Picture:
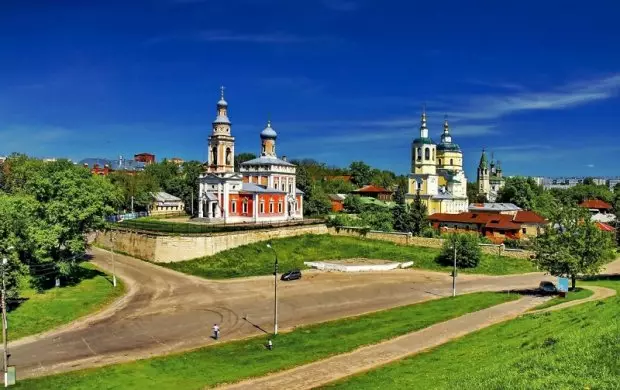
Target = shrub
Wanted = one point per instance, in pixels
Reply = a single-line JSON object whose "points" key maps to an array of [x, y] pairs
{"points": [[468, 253], [512, 244]]}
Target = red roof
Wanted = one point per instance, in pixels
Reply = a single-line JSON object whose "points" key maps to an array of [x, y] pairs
{"points": [[371, 188], [492, 221], [604, 227], [524, 216], [595, 204]]}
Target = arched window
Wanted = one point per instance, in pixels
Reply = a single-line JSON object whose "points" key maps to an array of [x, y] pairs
{"points": [[228, 156], [263, 148], [451, 162], [419, 154], [439, 161], [433, 154], [214, 154], [427, 154]]}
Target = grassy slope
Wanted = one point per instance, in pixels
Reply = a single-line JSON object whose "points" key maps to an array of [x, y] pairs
{"points": [[257, 259], [579, 293], [245, 358], [58, 306], [575, 348]]}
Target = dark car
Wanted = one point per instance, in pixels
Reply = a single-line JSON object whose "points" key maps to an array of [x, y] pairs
{"points": [[547, 288], [291, 275]]}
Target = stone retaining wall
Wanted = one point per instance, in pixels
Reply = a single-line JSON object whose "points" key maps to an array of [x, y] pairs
{"points": [[408, 239], [161, 248]]}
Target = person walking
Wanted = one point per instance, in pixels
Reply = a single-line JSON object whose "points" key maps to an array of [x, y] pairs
{"points": [[216, 331]]}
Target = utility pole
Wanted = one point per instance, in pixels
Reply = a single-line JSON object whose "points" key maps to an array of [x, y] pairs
{"points": [[132, 204], [5, 336], [275, 291], [454, 271], [192, 203], [113, 262]]}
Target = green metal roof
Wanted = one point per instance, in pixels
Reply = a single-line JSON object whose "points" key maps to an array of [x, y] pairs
{"points": [[483, 159], [424, 140], [449, 147]]}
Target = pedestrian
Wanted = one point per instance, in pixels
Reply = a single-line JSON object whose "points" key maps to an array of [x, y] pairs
{"points": [[269, 345], [216, 331]]}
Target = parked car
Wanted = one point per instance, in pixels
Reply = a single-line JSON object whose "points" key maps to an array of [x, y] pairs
{"points": [[547, 288], [291, 275]]}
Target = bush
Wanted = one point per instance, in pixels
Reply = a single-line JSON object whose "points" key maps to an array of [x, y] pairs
{"points": [[512, 244], [485, 240], [468, 253]]}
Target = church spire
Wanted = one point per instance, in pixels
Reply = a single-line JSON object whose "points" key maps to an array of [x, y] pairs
{"points": [[483, 159], [423, 128], [446, 138], [221, 122]]}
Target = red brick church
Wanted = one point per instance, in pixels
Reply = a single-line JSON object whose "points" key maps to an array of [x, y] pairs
{"points": [[264, 189]]}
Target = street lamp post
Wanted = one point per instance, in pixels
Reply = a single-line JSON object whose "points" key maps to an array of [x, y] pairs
{"points": [[113, 262], [5, 336], [275, 291], [454, 270]]}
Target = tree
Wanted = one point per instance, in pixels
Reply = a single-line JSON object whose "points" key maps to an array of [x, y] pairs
{"points": [[468, 252], [385, 179], [361, 173], [545, 204], [378, 218], [139, 186], [352, 204], [581, 192], [241, 158], [316, 201], [520, 191], [62, 202], [573, 245], [417, 216], [16, 212]]}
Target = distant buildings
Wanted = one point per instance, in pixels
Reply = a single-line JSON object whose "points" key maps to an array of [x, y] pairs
{"points": [[176, 160], [568, 182], [102, 166]]}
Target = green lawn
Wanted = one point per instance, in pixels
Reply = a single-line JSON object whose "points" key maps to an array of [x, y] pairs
{"points": [[579, 293], [241, 359], [573, 348], [57, 306], [257, 259]]}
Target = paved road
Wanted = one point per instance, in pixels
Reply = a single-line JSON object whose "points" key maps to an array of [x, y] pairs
{"points": [[167, 311], [312, 375]]}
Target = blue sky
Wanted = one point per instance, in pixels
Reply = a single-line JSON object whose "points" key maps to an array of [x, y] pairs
{"points": [[538, 82]]}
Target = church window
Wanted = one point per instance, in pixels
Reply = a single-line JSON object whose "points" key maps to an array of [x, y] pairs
{"points": [[244, 206], [451, 162], [271, 207], [233, 206], [262, 206], [290, 188], [264, 148], [419, 154], [214, 156], [439, 161], [279, 207], [427, 153], [433, 154], [228, 156]]}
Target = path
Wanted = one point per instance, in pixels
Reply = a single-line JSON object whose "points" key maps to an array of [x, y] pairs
{"points": [[166, 311], [366, 358]]}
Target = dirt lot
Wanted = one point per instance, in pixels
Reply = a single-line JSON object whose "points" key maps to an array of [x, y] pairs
{"points": [[166, 311]]}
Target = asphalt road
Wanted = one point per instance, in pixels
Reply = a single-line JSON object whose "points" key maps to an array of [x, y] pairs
{"points": [[166, 311]]}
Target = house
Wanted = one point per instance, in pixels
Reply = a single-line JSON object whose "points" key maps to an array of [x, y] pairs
{"points": [[337, 201], [164, 203], [376, 192], [604, 227], [146, 158], [600, 210], [177, 160], [345, 178], [495, 226]]}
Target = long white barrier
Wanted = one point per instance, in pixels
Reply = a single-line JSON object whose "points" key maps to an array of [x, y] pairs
{"points": [[323, 266]]}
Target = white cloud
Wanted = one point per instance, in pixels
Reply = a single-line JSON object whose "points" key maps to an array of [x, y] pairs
{"points": [[590, 165], [561, 97]]}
